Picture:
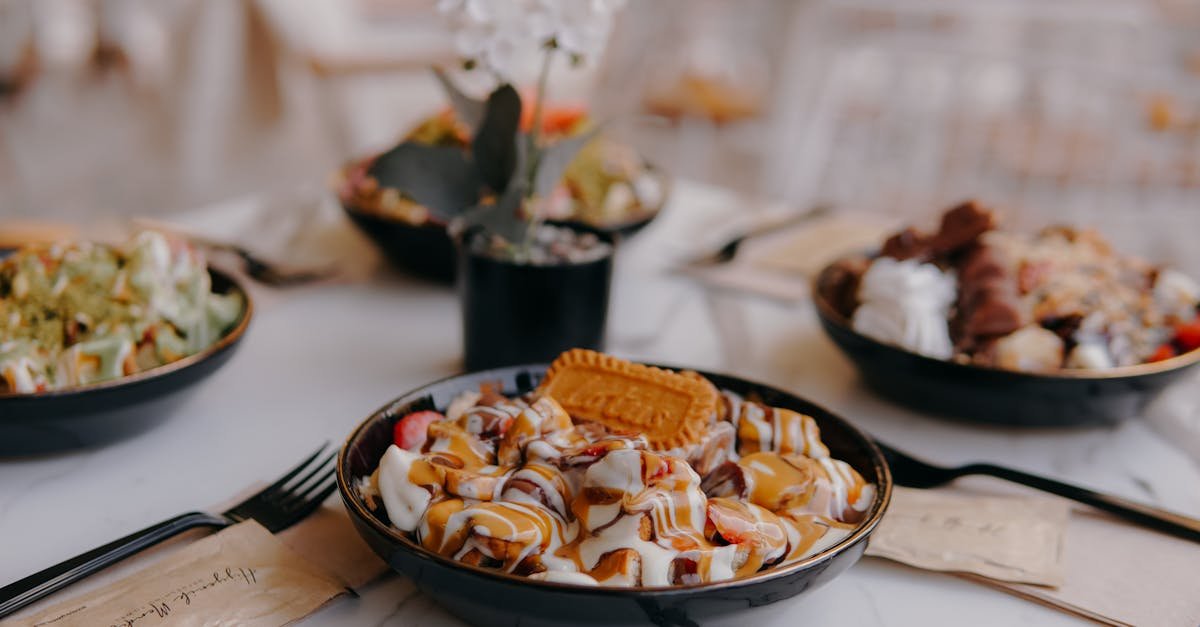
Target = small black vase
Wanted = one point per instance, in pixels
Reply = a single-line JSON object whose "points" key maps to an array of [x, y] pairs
{"points": [[517, 313]]}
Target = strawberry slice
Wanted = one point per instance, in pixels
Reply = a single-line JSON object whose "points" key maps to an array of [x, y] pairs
{"points": [[1188, 335], [411, 431], [1164, 352]]}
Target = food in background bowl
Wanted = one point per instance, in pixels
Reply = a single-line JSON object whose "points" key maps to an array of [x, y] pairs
{"points": [[616, 474], [608, 185], [81, 313], [1060, 299]]}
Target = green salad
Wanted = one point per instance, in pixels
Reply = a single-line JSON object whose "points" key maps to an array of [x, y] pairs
{"points": [[81, 313]]}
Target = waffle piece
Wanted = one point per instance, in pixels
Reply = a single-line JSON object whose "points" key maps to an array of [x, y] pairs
{"points": [[672, 410]]}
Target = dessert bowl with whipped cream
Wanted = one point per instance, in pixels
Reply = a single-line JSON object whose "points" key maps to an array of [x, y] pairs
{"points": [[1053, 328], [95, 339], [508, 508]]}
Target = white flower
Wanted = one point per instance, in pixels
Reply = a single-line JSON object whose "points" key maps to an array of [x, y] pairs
{"points": [[493, 32]]}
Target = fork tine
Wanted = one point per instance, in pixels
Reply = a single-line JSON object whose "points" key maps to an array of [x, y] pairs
{"points": [[303, 508], [296, 497], [292, 473], [320, 497], [293, 486]]}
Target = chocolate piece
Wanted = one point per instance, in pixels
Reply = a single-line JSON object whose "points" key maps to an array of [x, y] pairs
{"points": [[961, 227], [994, 316], [839, 284], [908, 244], [714, 448], [729, 479], [981, 263], [1064, 326], [988, 303]]}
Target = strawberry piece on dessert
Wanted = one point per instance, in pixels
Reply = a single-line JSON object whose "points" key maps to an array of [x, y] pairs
{"points": [[411, 431], [1164, 352], [1188, 335]]}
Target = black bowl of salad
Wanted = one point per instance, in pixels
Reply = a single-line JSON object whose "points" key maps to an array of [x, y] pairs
{"points": [[99, 342]]}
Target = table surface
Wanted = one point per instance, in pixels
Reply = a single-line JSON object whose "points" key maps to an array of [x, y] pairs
{"points": [[319, 359]]}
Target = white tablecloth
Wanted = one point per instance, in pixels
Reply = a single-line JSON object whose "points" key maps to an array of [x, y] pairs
{"points": [[318, 359]]}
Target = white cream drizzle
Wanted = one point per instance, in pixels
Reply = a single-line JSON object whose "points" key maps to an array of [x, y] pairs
{"points": [[720, 566], [562, 576], [754, 413], [813, 446], [623, 534], [461, 404], [547, 486]]}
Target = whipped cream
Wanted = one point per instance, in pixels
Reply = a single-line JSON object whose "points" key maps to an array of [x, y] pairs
{"points": [[907, 303], [1176, 294], [405, 501], [1031, 349]]}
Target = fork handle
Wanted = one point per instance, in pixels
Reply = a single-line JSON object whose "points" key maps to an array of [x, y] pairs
{"points": [[1152, 517], [18, 594]]}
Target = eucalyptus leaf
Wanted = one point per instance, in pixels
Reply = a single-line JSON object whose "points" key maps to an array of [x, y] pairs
{"points": [[555, 159], [495, 143], [442, 178], [468, 110]]}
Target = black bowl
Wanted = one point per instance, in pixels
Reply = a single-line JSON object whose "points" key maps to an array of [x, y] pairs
{"points": [[103, 412], [488, 597], [423, 249], [992, 395], [428, 250]]}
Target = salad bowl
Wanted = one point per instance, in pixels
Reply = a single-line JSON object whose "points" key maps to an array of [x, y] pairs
{"points": [[106, 411]]}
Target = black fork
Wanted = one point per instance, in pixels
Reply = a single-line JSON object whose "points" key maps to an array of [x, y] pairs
{"points": [[278, 506], [914, 473]]}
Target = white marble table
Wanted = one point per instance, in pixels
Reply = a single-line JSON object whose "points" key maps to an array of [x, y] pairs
{"points": [[317, 360]]}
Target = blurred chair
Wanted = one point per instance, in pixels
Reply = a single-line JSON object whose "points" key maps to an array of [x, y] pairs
{"points": [[1058, 111], [692, 84], [364, 64]]}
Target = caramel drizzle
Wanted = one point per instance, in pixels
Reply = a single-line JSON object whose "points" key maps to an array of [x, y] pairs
{"points": [[537, 516]]}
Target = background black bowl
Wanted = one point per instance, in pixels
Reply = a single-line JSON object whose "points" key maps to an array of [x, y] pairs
{"points": [[991, 395], [427, 250], [488, 597], [102, 412], [422, 249]]}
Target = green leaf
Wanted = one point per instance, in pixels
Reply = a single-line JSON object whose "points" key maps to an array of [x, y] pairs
{"points": [[495, 143], [442, 178], [555, 159], [500, 218], [469, 110]]}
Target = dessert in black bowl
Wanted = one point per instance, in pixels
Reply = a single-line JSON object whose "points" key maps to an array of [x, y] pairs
{"points": [[1053, 328], [604, 492]]}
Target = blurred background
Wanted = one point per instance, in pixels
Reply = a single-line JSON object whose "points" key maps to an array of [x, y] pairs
{"points": [[1069, 110]]}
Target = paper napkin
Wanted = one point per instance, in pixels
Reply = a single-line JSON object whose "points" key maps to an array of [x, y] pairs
{"points": [[242, 575], [1086, 563]]}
